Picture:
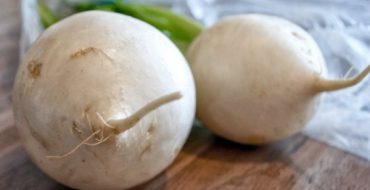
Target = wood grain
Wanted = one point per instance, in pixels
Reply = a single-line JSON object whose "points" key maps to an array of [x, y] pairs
{"points": [[206, 162]]}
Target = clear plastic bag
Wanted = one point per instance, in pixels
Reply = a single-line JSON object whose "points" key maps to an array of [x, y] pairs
{"points": [[342, 30]]}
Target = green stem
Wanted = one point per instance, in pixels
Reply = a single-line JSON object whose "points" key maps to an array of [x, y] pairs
{"points": [[179, 29], [46, 16]]}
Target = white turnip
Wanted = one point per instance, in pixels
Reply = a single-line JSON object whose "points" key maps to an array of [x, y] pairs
{"points": [[259, 78], [94, 101]]}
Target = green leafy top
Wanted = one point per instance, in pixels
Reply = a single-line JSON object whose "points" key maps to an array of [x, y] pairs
{"points": [[180, 29]]}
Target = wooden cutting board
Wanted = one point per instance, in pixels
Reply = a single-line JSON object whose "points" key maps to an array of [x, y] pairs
{"points": [[206, 162]]}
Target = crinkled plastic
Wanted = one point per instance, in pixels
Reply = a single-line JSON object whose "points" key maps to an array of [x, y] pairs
{"points": [[340, 27]]}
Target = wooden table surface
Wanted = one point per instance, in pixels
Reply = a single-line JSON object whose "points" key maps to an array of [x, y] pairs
{"points": [[206, 162]]}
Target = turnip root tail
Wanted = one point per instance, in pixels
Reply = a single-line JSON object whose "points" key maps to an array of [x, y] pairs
{"points": [[119, 126], [124, 124], [326, 85]]}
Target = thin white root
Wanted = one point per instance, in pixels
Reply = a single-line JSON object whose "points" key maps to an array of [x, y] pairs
{"points": [[75, 148], [105, 123], [100, 141], [90, 126], [325, 85], [103, 120], [130, 121]]}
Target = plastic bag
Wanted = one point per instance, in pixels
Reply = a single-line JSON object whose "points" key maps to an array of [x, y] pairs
{"points": [[342, 30]]}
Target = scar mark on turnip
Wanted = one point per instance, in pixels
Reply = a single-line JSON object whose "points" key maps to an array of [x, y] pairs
{"points": [[151, 129], [82, 52], [298, 36], [146, 149], [85, 51], [34, 68], [87, 109], [76, 129]]}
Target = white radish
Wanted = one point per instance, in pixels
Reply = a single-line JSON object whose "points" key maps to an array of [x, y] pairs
{"points": [[259, 78], [103, 101]]}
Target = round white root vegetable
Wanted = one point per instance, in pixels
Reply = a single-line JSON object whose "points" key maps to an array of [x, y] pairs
{"points": [[258, 78], [94, 101]]}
